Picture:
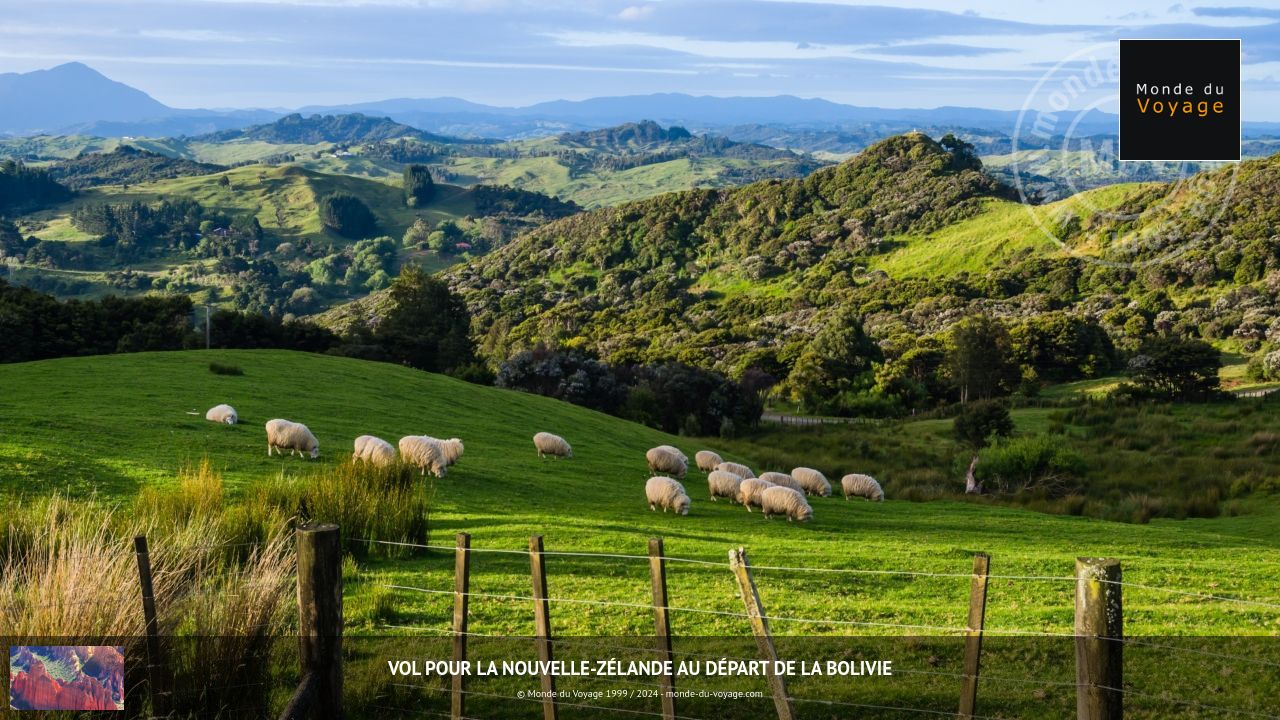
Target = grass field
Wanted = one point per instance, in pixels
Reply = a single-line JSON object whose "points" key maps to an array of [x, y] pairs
{"points": [[1000, 231], [106, 430], [104, 427]]}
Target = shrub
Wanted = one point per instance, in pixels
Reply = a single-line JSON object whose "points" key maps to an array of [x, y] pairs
{"points": [[1034, 463]]}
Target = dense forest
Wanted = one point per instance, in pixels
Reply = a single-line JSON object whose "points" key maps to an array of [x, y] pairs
{"points": [[25, 189], [127, 165]]}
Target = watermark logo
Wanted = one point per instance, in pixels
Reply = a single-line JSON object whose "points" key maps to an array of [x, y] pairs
{"points": [[1066, 145]]}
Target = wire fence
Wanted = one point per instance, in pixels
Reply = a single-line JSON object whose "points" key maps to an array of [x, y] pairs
{"points": [[825, 625]]}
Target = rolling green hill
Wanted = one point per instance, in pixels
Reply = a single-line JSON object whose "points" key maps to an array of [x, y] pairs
{"points": [[103, 427], [910, 237]]}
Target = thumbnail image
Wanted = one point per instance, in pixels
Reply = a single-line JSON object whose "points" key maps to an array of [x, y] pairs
{"points": [[66, 677]]}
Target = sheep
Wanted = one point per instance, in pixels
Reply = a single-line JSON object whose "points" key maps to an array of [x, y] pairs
{"points": [[738, 469], [707, 460], [222, 414], [676, 451], [552, 445], [424, 453], [663, 459], [749, 491], [783, 479], [295, 437], [723, 484], [785, 501], [813, 482], [863, 486], [666, 493], [373, 450], [452, 450]]}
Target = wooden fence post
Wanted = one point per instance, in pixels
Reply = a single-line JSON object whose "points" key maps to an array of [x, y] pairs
{"points": [[662, 625], [973, 635], [1099, 640], [320, 616], [760, 627], [542, 627], [461, 588], [155, 660]]}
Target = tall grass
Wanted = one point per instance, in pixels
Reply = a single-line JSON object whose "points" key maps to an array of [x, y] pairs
{"points": [[369, 503]]}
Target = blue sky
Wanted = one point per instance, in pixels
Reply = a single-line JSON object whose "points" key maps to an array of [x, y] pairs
{"points": [[910, 53]]}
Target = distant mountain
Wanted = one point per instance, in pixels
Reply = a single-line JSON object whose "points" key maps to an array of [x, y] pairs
{"points": [[628, 135], [67, 95], [348, 128], [188, 122]]}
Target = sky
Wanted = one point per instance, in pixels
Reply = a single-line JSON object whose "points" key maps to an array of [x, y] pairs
{"points": [[904, 53]]}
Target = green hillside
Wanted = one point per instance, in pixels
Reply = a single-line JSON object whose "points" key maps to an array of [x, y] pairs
{"points": [[104, 427]]}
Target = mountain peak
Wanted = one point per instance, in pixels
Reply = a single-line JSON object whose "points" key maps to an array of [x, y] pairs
{"points": [[70, 94]]}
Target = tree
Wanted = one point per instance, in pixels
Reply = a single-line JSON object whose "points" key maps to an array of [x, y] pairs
{"points": [[974, 427], [839, 353], [980, 358], [427, 326], [1174, 368], [347, 215], [418, 186]]}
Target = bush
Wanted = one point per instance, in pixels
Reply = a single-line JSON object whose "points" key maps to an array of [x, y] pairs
{"points": [[347, 215], [1035, 463]]}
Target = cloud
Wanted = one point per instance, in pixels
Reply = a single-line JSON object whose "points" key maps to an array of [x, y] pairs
{"points": [[635, 12], [937, 50], [1238, 11]]}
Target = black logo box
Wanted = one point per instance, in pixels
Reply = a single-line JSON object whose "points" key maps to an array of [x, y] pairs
{"points": [[1180, 65]]}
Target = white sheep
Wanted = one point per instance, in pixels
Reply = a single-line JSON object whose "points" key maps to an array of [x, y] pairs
{"points": [[373, 450], [424, 453], [813, 482], [738, 469], [552, 445], [452, 450], [295, 437], [666, 493], [749, 491], [863, 486], [785, 501], [666, 459], [723, 484], [783, 479], [707, 460], [677, 451], [222, 414]]}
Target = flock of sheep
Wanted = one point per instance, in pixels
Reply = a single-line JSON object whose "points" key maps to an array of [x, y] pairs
{"points": [[426, 453], [775, 493]]}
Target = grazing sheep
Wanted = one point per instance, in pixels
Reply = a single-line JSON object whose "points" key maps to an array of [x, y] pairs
{"points": [[783, 479], [785, 501], [666, 459], [749, 492], [668, 494], [452, 450], [812, 481], [677, 451], [424, 453], [723, 484], [295, 437], [863, 486], [707, 460], [373, 450], [222, 414], [738, 469], [552, 445]]}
